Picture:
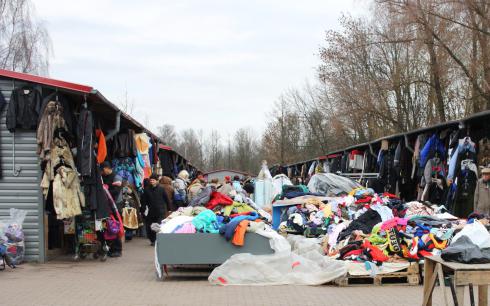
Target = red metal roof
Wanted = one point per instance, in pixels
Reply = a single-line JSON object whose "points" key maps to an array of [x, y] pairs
{"points": [[163, 147], [45, 81]]}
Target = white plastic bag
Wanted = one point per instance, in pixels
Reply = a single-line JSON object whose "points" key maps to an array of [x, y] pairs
{"points": [[12, 235], [263, 192], [477, 233]]}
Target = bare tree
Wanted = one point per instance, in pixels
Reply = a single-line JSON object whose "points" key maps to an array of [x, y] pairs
{"points": [[168, 135], [25, 45]]}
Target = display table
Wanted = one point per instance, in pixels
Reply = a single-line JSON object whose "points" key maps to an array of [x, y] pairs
{"points": [[464, 274], [203, 249]]}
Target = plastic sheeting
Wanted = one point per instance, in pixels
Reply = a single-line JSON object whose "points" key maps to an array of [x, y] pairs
{"points": [[263, 187], [331, 184], [278, 181], [297, 262]]}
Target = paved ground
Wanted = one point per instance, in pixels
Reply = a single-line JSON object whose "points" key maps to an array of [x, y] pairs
{"points": [[130, 280]]}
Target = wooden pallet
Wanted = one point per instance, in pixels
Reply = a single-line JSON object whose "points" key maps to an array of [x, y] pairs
{"points": [[409, 276]]}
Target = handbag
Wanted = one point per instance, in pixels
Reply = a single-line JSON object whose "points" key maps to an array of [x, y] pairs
{"points": [[112, 228]]}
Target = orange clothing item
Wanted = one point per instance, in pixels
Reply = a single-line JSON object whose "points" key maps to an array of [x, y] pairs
{"points": [[239, 237], [142, 143], [101, 146]]}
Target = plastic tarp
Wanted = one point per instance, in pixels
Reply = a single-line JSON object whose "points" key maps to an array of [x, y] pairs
{"points": [[263, 187], [471, 245], [299, 261], [331, 184], [278, 181]]}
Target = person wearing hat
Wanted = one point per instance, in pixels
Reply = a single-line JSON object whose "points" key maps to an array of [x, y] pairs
{"points": [[482, 193], [156, 200]]}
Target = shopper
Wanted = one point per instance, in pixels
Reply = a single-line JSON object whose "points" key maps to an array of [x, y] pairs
{"points": [[180, 186], [226, 188], [156, 199], [195, 187], [237, 184], [114, 184], [166, 183], [214, 184], [482, 193]]}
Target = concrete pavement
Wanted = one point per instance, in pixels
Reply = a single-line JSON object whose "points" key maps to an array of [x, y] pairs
{"points": [[130, 280]]}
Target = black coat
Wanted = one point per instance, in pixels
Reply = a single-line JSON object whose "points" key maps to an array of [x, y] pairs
{"points": [[24, 109], [155, 198], [85, 141]]}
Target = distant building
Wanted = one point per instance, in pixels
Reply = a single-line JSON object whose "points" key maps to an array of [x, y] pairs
{"points": [[221, 173]]}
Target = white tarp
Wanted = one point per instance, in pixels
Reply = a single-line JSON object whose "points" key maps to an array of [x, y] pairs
{"points": [[278, 181], [331, 184], [298, 262]]}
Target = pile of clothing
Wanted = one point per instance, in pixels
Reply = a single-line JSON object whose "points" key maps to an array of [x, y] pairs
{"points": [[216, 213], [366, 228]]}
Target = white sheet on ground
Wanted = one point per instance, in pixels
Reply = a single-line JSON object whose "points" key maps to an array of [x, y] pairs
{"points": [[298, 262], [359, 268]]}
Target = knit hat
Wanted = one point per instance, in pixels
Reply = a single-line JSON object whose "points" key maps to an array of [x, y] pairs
{"points": [[227, 178], [485, 170], [106, 164]]}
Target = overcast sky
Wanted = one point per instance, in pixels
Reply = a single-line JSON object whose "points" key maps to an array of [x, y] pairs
{"points": [[210, 64]]}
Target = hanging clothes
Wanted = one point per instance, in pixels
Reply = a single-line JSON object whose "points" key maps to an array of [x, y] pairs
{"points": [[142, 142], [51, 120], [85, 142], [124, 145], [24, 109], [61, 172], [101, 146], [356, 159], [67, 113]]}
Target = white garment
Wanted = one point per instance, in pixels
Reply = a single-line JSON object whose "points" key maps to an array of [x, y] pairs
{"points": [[169, 225], [384, 211]]}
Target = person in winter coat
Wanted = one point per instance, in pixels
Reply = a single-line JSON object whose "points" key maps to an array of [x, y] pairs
{"points": [[166, 183], [180, 186], [114, 183], [156, 200], [482, 193], [227, 186], [195, 187]]}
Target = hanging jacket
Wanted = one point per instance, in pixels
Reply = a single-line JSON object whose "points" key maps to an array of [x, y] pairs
{"points": [[67, 113], [51, 120], [24, 109], [465, 150], [85, 140], [124, 145], [432, 146], [101, 146]]}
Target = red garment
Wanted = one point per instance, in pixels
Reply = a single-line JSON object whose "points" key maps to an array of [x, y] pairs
{"points": [[364, 200], [375, 253], [101, 146], [390, 195], [218, 198], [353, 252]]}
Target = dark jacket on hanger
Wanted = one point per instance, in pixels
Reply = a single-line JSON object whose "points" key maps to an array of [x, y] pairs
{"points": [[124, 145], [24, 109], [85, 142]]}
